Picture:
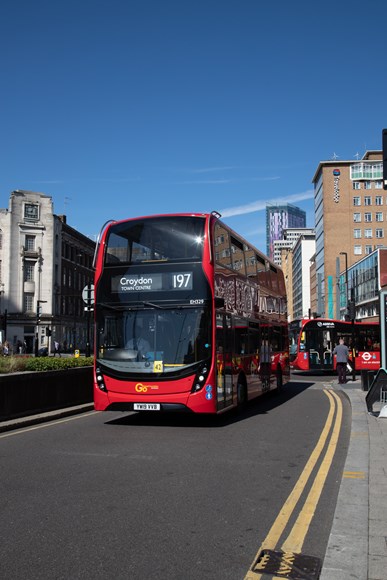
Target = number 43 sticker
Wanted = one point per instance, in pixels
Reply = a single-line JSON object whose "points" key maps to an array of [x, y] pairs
{"points": [[158, 366]]}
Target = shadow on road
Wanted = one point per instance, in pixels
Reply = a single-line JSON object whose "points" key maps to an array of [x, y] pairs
{"points": [[260, 406]]}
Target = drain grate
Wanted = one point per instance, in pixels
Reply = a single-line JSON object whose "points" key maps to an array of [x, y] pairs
{"points": [[288, 565]]}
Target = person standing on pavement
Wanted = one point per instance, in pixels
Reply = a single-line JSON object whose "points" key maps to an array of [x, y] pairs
{"points": [[57, 348], [341, 351]]}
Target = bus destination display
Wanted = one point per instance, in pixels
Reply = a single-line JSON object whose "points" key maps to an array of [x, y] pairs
{"points": [[152, 282]]}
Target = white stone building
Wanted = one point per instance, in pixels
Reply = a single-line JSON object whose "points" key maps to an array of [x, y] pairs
{"points": [[44, 265]]}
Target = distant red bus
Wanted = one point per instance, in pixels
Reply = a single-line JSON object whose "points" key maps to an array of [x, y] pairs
{"points": [[182, 305], [312, 342]]}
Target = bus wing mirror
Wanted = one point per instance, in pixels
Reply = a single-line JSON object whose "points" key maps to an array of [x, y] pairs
{"points": [[219, 302]]}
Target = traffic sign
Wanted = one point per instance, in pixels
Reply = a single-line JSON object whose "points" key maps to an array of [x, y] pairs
{"points": [[88, 294]]}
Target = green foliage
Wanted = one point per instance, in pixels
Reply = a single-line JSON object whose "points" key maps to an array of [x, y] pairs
{"points": [[14, 364]]}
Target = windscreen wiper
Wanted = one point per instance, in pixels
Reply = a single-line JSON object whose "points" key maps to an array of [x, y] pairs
{"points": [[153, 305], [112, 307]]}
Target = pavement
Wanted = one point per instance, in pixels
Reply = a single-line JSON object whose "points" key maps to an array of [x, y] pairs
{"points": [[357, 546], [20, 422]]}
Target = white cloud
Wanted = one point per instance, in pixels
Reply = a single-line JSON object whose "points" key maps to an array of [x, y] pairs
{"points": [[206, 182], [211, 169], [261, 205]]}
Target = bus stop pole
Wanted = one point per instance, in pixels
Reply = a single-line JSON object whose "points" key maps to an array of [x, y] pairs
{"points": [[353, 352]]}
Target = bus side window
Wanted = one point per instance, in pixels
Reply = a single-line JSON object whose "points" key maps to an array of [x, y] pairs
{"points": [[253, 341]]}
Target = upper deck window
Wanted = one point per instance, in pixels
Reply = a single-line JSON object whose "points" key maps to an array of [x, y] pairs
{"points": [[159, 239]]}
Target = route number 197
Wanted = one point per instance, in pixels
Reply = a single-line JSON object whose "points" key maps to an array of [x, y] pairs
{"points": [[182, 281]]}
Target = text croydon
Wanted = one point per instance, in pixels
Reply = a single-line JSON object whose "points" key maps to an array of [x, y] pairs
{"points": [[135, 281], [130, 284]]}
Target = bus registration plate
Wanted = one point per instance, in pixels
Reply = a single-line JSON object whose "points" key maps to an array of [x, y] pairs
{"points": [[146, 407]]}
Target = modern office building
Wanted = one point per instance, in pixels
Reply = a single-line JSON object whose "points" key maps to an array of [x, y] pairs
{"points": [[363, 281], [290, 237], [278, 218], [350, 220], [44, 265], [303, 252]]}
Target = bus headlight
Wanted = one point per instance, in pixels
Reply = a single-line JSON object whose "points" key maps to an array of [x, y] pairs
{"points": [[200, 379], [99, 380]]}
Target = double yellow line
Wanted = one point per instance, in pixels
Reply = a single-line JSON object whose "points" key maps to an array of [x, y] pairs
{"points": [[296, 537]]}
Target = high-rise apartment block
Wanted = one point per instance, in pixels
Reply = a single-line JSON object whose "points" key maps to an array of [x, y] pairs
{"points": [[278, 218]]}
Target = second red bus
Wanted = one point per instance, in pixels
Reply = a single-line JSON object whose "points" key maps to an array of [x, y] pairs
{"points": [[312, 342]]}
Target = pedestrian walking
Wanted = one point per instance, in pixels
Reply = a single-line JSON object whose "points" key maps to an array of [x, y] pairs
{"points": [[57, 348], [342, 353]]}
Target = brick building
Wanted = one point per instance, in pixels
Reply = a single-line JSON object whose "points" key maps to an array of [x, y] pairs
{"points": [[350, 220]]}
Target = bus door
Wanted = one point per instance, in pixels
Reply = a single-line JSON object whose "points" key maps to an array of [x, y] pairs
{"points": [[319, 347], [224, 379]]}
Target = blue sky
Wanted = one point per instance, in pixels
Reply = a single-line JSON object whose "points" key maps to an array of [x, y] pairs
{"points": [[121, 108]]}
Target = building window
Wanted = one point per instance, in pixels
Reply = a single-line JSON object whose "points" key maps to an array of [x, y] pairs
{"points": [[30, 243], [379, 216], [29, 271], [368, 217], [357, 233], [367, 185], [379, 233], [357, 250], [28, 302], [357, 217], [356, 201], [366, 170], [31, 212], [368, 250], [367, 200], [378, 184], [378, 200], [368, 233], [356, 185]]}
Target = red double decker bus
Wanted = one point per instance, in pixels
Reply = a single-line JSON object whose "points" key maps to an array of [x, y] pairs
{"points": [[312, 342], [182, 305]]}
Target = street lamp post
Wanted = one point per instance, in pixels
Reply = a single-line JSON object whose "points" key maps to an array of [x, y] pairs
{"points": [[76, 271], [38, 303], [351, 312], [346, 275]]}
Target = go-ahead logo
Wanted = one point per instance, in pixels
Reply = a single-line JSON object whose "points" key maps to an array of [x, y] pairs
{"points": [[140, 388]]}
